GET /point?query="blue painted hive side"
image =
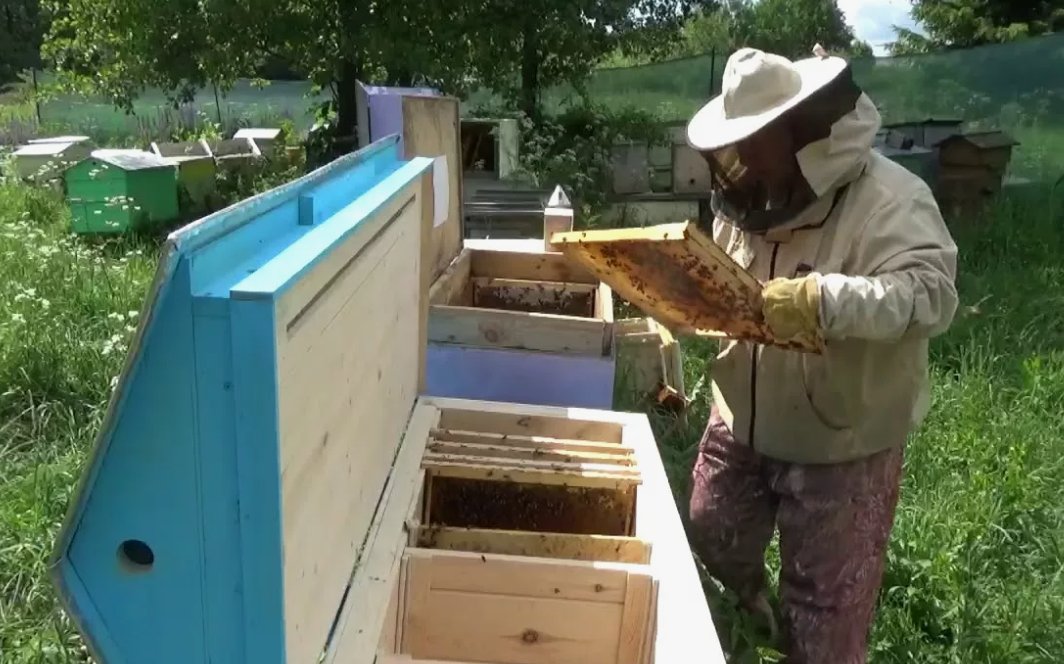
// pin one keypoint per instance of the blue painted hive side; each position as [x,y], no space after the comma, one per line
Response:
[154,557]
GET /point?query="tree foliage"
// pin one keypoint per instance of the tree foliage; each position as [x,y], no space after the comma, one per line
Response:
[788,27]
[519,46]
[22,27]
[967,23]
[791,27]
[121,47]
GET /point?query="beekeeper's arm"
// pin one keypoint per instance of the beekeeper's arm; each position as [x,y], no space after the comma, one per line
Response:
[911,262]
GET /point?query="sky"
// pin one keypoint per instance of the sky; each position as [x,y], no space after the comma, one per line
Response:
[873,20]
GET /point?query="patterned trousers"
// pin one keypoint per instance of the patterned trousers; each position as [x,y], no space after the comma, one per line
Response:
[834,523]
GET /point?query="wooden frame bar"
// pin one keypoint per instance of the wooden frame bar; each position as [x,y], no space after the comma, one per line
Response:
[521,301]
[606,548]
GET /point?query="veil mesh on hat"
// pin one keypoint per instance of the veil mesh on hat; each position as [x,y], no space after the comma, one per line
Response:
[739,197]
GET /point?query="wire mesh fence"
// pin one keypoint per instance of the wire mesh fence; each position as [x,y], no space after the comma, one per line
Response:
[1017,87]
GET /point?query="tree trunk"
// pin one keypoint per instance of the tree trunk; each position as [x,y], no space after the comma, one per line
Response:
[529,102]
[346,110]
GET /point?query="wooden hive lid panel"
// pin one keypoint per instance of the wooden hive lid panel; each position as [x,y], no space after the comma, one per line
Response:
[345,307]
[431,128]
[254,427]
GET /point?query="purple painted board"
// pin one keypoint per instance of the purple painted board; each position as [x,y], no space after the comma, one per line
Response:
[380,110]
[516,376]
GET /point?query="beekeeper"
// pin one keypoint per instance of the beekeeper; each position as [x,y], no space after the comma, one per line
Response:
[848,245]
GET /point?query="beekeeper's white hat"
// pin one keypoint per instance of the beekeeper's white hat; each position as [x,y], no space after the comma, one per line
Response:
[757,88]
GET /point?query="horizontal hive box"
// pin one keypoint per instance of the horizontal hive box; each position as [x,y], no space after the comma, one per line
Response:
[521,325]
[297,499]
[528,540]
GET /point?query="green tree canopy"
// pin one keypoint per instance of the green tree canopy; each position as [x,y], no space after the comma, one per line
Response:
[120,47]
[22,27]
[966,23]
[788,27]
[791,27]
[521,46]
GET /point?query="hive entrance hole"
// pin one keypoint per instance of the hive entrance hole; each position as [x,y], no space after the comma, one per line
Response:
[135,556]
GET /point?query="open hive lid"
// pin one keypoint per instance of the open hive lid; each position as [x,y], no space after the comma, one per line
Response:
[131,160]
[59,139]
[182,151]
[261,133]
[44,149]
[243,456]
[680,277]
[428,125]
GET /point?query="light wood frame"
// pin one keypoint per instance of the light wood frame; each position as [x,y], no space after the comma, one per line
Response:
[550,278]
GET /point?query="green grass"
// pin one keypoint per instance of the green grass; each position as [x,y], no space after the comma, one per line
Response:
[67,310]
[976,560]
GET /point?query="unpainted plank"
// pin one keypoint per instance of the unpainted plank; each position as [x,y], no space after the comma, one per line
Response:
[516,629]
[604,548]
[387,642]
[362,618]
[647,651]
[655,356]
[518,330]
[337,448]
[588,479]
[431,129]
[683,621]
[518,610]
[504,464]
[604,302]
[677,275]
[546,578]
[428,273]
[529,442]
[539,453]
[530,420]
[530,266]
[407,659]
[636,619]
[454,285]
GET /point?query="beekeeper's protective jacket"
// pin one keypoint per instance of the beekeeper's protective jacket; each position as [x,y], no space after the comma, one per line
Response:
[886,265]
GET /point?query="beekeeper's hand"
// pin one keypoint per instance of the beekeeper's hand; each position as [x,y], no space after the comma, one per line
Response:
[792,306]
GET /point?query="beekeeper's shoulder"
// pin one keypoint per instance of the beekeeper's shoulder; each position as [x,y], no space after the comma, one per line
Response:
[887,187]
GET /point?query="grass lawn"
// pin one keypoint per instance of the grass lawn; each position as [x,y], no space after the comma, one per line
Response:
[976,561]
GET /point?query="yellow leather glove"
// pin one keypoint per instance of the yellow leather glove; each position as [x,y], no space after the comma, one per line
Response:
[791,306]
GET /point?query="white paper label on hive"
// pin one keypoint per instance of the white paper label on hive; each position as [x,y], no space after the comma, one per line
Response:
[441,191]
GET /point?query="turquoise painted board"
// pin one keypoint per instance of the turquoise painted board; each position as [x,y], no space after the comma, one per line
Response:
[172,547]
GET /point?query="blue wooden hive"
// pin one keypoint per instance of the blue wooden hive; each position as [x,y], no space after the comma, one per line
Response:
[272,486]
[505,324]
[160,557]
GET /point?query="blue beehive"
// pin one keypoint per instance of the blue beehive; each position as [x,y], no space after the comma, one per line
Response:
[271,486]
[159,558]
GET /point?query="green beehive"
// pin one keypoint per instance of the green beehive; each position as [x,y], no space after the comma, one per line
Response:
[114,191]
